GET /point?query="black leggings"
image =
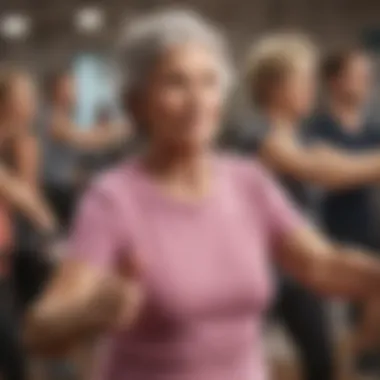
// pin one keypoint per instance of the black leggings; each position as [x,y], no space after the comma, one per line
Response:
[305,319]
[12,359]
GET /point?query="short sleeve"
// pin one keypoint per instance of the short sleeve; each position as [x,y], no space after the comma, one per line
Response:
[283,217]
[94,238]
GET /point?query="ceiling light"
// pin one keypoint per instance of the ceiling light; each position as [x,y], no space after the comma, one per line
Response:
[89,20]
[15,26]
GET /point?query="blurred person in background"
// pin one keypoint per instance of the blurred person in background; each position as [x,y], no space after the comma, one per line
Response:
[64,141]
[348,214]
[19,194]
[171,251]
[92,163]
[281,77]
[107,118]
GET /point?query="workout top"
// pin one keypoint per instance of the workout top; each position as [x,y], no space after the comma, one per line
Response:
[205,268]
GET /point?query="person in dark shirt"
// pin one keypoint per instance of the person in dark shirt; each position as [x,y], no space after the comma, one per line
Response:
[282,78]
[348,215]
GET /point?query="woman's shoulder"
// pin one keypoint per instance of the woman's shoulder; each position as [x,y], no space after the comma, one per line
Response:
[106,201]
[115,181]
[250,181]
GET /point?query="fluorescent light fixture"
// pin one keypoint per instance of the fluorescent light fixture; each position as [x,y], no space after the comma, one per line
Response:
[15,26]
[89,20]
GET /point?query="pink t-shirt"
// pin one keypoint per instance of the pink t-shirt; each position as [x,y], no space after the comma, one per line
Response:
[205,268]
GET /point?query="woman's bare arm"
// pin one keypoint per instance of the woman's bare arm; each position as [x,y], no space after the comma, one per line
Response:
[64,130]
[27,166]
[327,269]
[21,196]
[95,287]
[79,303]
[27,159]
[321,165]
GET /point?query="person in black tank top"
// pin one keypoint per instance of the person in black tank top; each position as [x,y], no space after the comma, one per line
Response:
[281,81]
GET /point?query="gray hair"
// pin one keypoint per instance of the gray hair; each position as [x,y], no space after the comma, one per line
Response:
[147,37]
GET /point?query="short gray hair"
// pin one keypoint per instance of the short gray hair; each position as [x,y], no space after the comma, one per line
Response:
[147,37]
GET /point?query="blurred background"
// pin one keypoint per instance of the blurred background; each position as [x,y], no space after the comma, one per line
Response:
[44,35]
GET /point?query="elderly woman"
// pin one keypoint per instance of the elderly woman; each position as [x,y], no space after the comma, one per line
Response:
[171,252]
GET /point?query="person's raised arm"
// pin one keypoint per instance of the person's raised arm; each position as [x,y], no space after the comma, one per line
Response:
[66,131]
[327,269]
[93,290]
[27,159]
[331,168]
[310,258]
[79,303]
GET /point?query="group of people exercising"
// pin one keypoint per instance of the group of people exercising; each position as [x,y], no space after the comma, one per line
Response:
[175,254]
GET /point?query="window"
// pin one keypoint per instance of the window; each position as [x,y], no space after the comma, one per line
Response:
[95,88]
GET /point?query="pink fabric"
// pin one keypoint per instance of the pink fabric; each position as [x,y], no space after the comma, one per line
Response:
[205,269]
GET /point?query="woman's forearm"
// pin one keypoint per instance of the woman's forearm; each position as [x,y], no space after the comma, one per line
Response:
[92,140]
[97,140]
[30,204]
[55,333]
[330,168]
[24,189]
[337,170]
[20,195]
[346,273]
[36,210]
[328,269]
[56,323]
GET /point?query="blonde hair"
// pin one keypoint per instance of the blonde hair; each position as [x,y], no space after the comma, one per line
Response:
[271,59]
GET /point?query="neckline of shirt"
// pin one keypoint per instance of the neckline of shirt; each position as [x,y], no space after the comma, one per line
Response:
[150,188]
